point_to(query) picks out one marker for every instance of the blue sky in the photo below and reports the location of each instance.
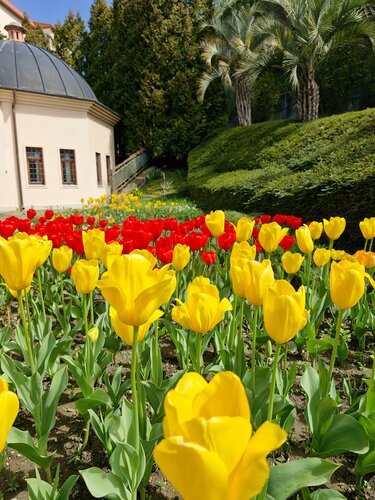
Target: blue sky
(52, 11)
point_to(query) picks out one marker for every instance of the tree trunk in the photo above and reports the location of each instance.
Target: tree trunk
(308, 97)
(243, 101)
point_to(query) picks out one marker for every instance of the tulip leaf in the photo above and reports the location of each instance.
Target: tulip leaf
(22, 442)
(344, 434)
(326, 494)
(104, 484)
(365, 464)
(97, 398)
(287, 479)
(318, 345)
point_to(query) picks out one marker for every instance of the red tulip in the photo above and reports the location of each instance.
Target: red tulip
(31, 213)
(208, 257)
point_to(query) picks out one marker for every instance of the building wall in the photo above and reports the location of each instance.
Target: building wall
(53, 129)
(8, 185)
(6, 17)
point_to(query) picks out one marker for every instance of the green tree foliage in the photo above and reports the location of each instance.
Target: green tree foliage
(69, 39)
(34, 35)
(98, 52)
(156, 70)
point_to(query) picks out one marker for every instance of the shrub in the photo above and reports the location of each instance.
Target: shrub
(312, 170)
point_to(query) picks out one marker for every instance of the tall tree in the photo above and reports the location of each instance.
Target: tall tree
(224, 50)
(99, 52)
(34, 34)
(68, 40)
(306, 31)
(156, 69)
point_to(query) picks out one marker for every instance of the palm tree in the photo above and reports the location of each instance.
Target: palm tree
(226, 46)
(305, 31)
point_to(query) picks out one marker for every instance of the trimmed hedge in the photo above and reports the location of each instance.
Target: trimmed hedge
(311, 170)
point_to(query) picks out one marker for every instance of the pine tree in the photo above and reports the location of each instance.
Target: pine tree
(69, 38)
(34, 35)
(98, 52)
(156, 71)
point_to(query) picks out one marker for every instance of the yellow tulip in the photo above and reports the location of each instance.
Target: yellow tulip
(367, 227)
(126, 332)
(210, 450)
(244, 229)
(109, 251)
(316, 229)
(243, 250)
(270, 236)
(181, 256)
(251, 278)
(203, 309)
(61, 258)
(93, 333)
(19, 258)
(365, 258)
(321, 257)
(93, 243)
(334, 227)
(292, 262)
(284, 311)
(338, 254)
(304, 240)
(215, 221)
(9, 406)
(135, 289)
(85, 274)
(347, 283)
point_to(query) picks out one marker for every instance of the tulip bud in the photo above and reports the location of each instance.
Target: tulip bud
(93, 333)
(244, 229)
(292, 262)
(9, 406)
(251, 278)
(181, 256)
(365, 258)
(367, 227)
(334, 227)
(321, 257)
(284, 311)
(347, 283)
(85, 274)
(270, 236)
(316, 229)
(61, 258)
(304, 239)
(215, 221)
(93, 243)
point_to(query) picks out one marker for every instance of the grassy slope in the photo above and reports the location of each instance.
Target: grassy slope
(313, 170)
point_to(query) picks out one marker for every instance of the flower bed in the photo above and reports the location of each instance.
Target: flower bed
(195, 348)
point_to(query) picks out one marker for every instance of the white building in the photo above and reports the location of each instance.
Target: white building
(56, 138)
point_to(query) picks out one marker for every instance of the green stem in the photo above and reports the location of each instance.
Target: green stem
(62, 296)
(273, 382)
(41, 293)
(177, 283)
(253, 349)
(199, 353)
(26, 332)
(187, 349)
(334, 350)
(141, 405)
(371, 242)
(373, 367)
(365, 247)
(232, 332)
(285, 366)
(84, 310)
(91, 308)
(133, 376)
(308, 271)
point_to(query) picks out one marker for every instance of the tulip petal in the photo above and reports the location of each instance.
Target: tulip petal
(9, 406)
(194, 471)
(224, 396)
(251, 473)
(178, 403)
(226, 436)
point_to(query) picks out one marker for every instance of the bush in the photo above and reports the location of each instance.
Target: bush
(312, 170)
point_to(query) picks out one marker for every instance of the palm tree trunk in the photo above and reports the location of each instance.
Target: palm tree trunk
(308, 97)
(243, 101)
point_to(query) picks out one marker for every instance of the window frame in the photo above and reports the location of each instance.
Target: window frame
(99, 175)
(72, 161)
(41, 172)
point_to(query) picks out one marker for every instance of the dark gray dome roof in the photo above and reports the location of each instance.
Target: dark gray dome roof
(24, 66)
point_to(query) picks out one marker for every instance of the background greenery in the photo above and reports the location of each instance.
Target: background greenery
(312, 170)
